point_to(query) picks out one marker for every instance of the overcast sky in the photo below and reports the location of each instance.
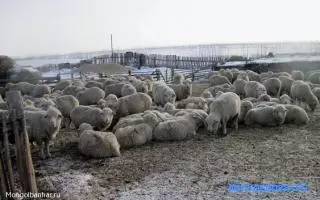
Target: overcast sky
(36, 27)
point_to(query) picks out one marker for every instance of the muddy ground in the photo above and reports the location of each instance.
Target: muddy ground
(200, 168)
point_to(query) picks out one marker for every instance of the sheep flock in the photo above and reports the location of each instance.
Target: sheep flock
(120, 112)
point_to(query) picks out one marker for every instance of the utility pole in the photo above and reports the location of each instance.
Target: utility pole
(111, 49)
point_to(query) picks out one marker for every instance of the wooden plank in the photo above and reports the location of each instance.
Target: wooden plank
(15, 103)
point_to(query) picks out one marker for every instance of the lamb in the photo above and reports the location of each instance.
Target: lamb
(301, 91)
(273, 86)
(245, 107)
(90, 96)
(97, 144)
(99, 119)
(239, 87)
(182, 91)
(178, 78)
(286, 83)
(162, 94)
(218, 80)
(180, 128)
(254, 89)
(41, 90)
(199, 103)
(62, 85)
(138, 134)
(49, 122)
(72, 90)
(266, 116)
(128, 89)
(91, 84)
(285, 99)
(296, 115)
(225, 108)
(66, 104)
(297, 75)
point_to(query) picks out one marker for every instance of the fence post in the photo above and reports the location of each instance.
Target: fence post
(16, 112)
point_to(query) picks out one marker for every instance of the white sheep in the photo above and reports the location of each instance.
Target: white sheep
(301, 91)
(254, 89)
(286, 83)
(99, 119)
(220, 88)
(253, 76)
(91, 84)
(245, 107)
(132, 104)
(273, 86)
(79, 83)
(42, 127)
(114, 89)
(316, 92)
(97, 144)
(224, 109)
(285, 99)
(313, 77)
(73, 90)
(61, 85)
(218, 80)
(239, 87)
(66, 104)
(198, 102)
(227, 73)
(162, 94)
(297, 75)
(182, 91)
(41, 90)
(178, 78)
(137, 134)
(24, 87)
(141, 86)
(179, 128)
(266, 116)
(296, 115)
(90, 96)
(128, 89)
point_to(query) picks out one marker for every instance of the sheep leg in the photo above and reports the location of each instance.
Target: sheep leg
(41, 146)
(46, 143)
(224, 126)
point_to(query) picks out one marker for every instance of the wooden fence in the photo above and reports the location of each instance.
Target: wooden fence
(13, 127)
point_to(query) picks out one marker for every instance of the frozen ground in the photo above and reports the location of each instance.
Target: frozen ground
(200, 168)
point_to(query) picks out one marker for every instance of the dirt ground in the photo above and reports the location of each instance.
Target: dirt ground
(200, 168)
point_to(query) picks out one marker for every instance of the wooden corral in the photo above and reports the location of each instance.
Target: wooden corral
(13, 130)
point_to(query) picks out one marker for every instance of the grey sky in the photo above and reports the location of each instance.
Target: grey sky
(33, 27)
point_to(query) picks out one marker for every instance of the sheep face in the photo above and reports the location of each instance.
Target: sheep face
(106, 117)
(279, 113)
(313, 103)
(212, 124)
(53, 118)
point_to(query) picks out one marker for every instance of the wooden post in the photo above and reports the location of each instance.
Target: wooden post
(7, 156)
(16, 112)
